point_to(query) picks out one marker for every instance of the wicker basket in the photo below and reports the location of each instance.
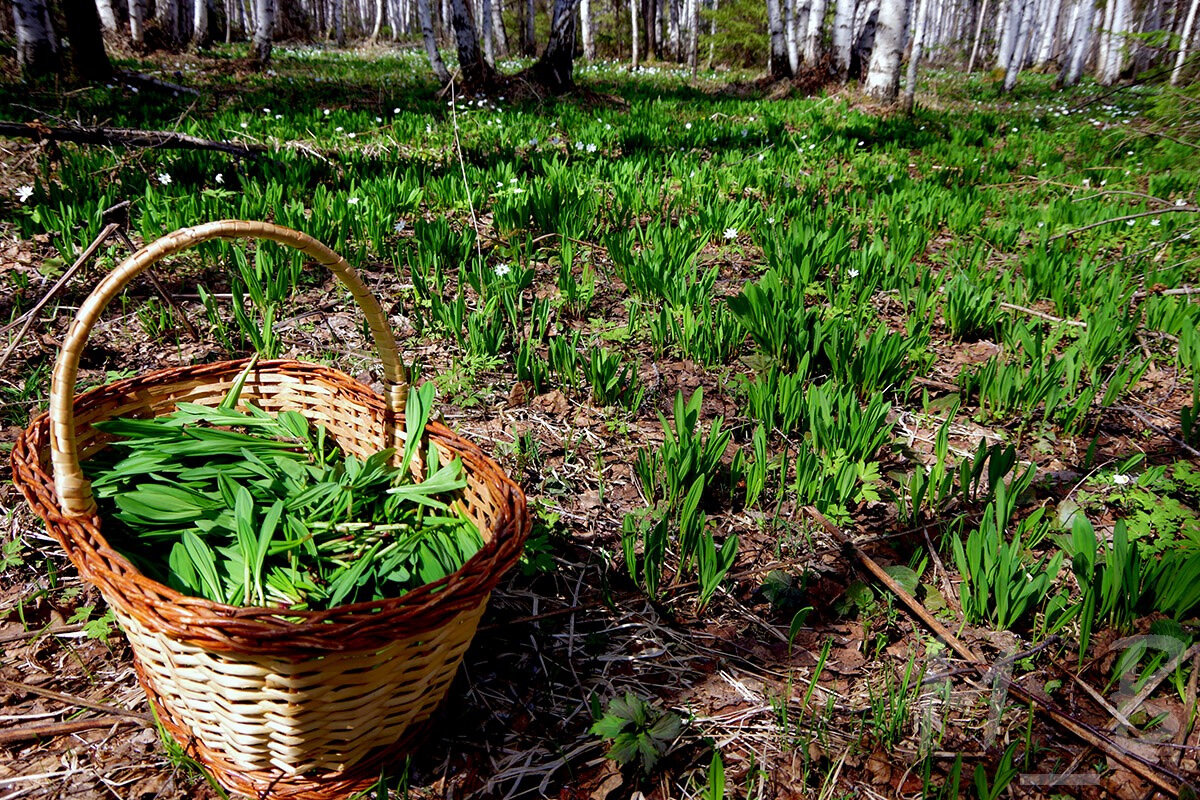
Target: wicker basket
(307, 706)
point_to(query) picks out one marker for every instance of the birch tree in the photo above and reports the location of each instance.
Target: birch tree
(199, 23)
(475, 70)
(843, 30)
(108, 17)
(1081, 39)
(779, 65)
(1007, 21)
(1109, 70)
(883, 75)
(1046, 46)
(978, 36)
(378, 22)
(264, 31)
(633, 33)
(693, 14)
(1020, 44)
(425, 19)
(918, 39)
(816, 25)
(137, 22)
(585, 28)
(37, 47)
(791, 12)
(1188, 24)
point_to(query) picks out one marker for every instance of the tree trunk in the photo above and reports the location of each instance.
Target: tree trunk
(530, 38)
(918, 39)
(264, 31)
(89, 61)
(883, 76)
(585, 26)
(489, 38)
(1007, 22)
(693, 7)
(337, 10)
(476, 72)
(712, 37)
(1109, 70)
(1046, 45)
(843, 29)
(674, 37)
(633, 34)
(499, 35)
(555, 68)
(649, 27)
(978, 36)
(199, 23)
(1081, 38)
(108, 17)
(791, 12)
(816, 26)
(37, 49)
(378, 22)
(1021, 45)
(1184, 40)
(137, 23)
(425, 16)
(778, 64)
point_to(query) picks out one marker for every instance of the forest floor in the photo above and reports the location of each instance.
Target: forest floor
(966, 339)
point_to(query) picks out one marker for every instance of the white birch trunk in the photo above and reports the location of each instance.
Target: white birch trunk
(1020, 46)
(778, 64)
(712, 36)
(883, 75)
(1114, 58)
(108, 17)
(633, 34)
(910, 84)
(978, 36)
(693, 7)
(585, 25)
(425, 19)
(37, 48)
(1007, 22)
(1046, 44)
(264, 30)
(816, 25)
(1184, 40)
(1081, 39)
(791, 20)
(843, 25)
(199, 22)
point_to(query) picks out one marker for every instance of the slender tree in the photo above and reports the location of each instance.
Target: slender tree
(585, 28)
(918, 39)
(816, 26)
(633, 33)
(978, 36)
(1081, 38)
(1046, 45)
(378, 22)
(1020, 44)
(475, 70)
(37, 47)
(425, 18)
(1109, 70)
(790, 12)
(199, 23)
(693, 7)
(778, 63)
(843, 34)
(883, 75)
(264, 31)
(1188, 24)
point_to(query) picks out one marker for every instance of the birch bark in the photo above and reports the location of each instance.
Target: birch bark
(918, 39)
(37, 49)
(1185, 39)
(1020, 46)
(264, 31)
(1081, 38)
(778, 64)
(843, 25)
(978, 36)
(425, 18)
(633, 33)
(585, 27)
(693, 7)
(108, 17)
(883, 76)
(816, 26)
(199, 23)
(791, 12)
(1046, 45)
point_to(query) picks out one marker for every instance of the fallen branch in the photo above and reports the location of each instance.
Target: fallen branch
(27, 732)
(31, 315)
(20, 636)
(79, 702)
(125, 137)
(155, 83)
(1166, 780)
(1154, 213)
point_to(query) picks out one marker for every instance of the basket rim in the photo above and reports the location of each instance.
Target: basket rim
(262, 630)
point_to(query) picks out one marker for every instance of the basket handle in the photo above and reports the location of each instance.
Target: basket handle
(74, 491)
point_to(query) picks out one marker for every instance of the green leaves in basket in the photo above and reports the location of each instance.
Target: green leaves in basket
(253, 508)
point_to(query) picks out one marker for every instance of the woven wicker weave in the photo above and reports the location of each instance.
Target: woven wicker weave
(307, 705)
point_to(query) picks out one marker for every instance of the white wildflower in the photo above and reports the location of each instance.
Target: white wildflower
(731, 233)
(219, 177)
(502, 270)
(1120, 480)
(1131, 222)
(399, 226)
(1155, 222)
(353, 201)
(770, 220)
(852, 273)
(24, 193)
(164, 178)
